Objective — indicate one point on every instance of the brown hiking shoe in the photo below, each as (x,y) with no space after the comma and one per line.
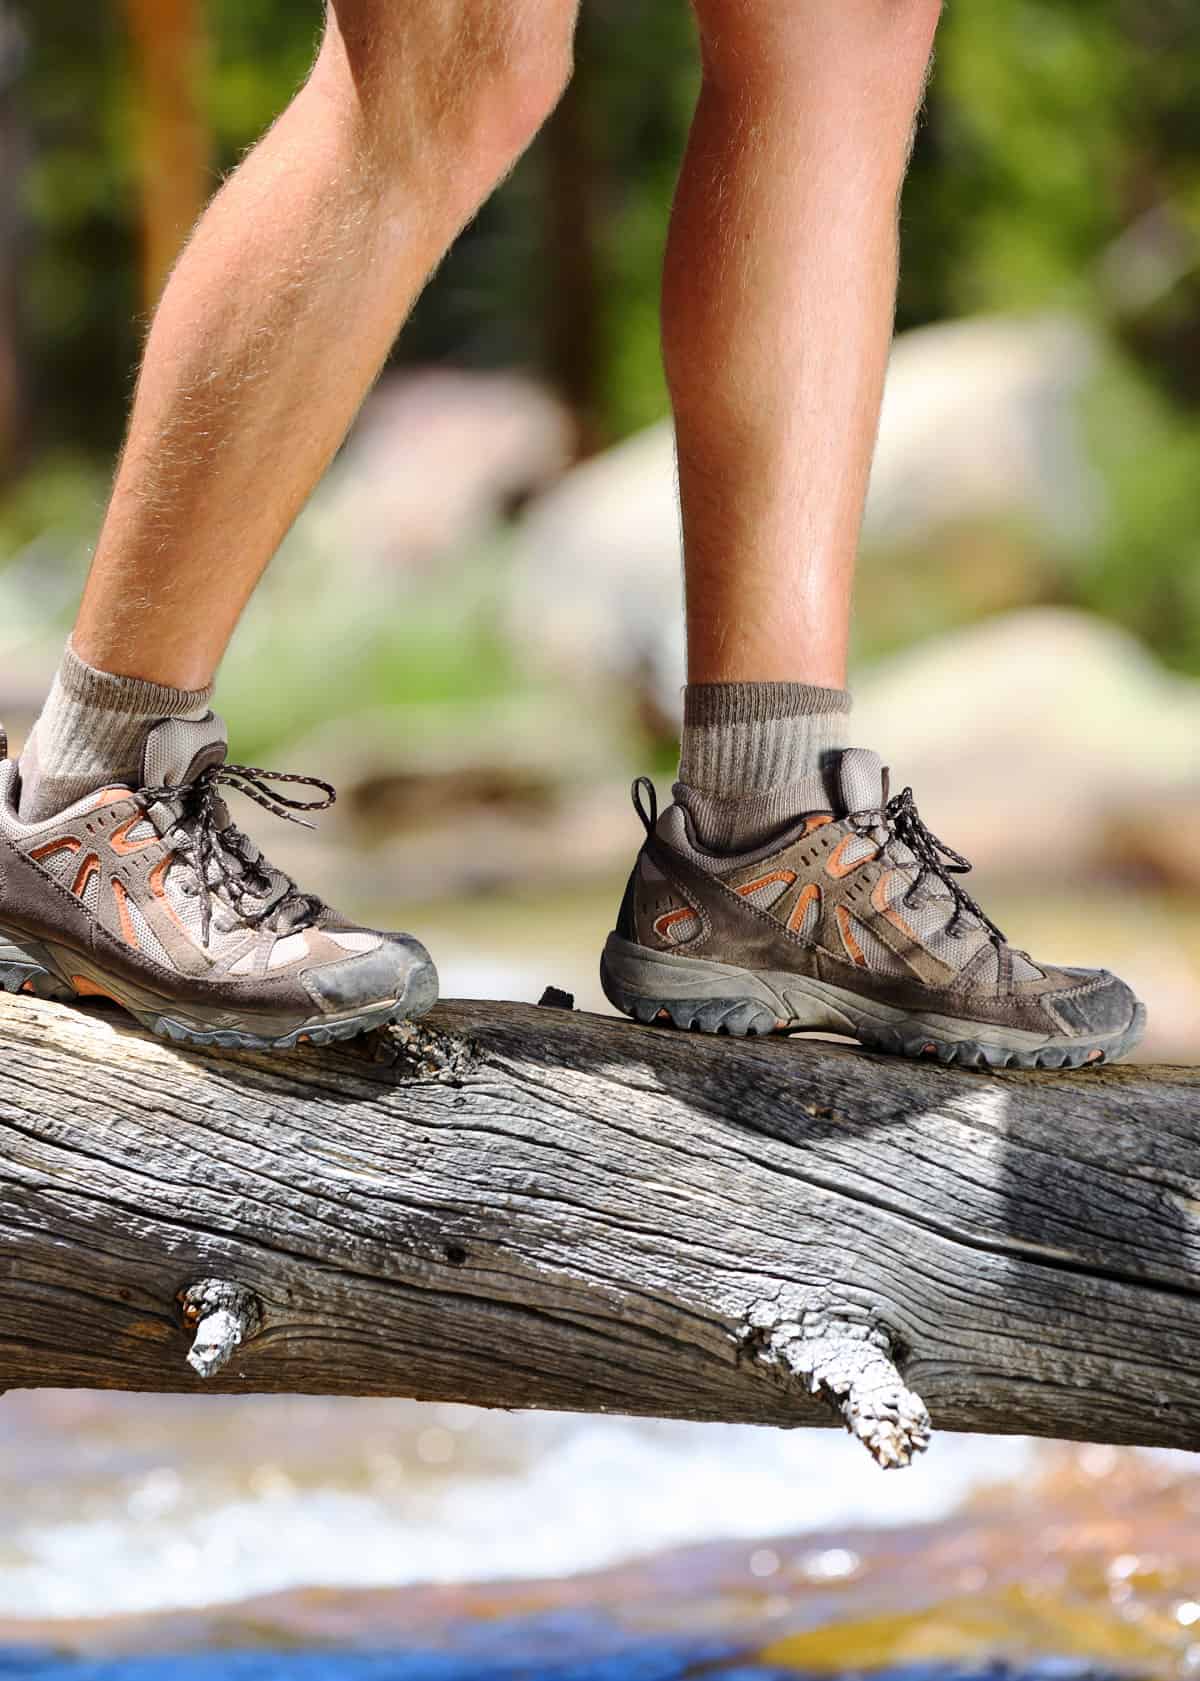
(154,898)
(851,922)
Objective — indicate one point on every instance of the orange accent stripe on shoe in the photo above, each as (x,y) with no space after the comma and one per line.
(838,868)
(68,843)
(818,822)
(671,918)
(787,877)
(119,839)
(879,898)
(88,989)
(854,950)
(809,896)
(158,877)
(129,933)
(89,868)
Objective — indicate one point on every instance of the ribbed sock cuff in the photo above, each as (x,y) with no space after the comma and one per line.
(105,692)
(92,731)
(754,756)
(712,705)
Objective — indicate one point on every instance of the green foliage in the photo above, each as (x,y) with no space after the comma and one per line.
(1058,164)
(1145,573)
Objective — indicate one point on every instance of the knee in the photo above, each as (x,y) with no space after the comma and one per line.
(748,40)
(473,78)
(514,96)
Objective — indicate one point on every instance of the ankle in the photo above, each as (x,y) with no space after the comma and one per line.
(755,756)
(91,732)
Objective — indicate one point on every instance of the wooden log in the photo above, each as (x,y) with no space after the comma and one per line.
(528,1207)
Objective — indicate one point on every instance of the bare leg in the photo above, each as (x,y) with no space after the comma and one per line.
(778,306)
(287,300)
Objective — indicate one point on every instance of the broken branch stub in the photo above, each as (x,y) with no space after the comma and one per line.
(850,1364)
(224,1316)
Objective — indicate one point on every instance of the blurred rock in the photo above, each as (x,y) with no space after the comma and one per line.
(598,592)
(979,425)
(979,432)
(1159,840)
(436,459)
(1032,739)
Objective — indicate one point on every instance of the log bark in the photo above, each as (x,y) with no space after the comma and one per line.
(528,1207)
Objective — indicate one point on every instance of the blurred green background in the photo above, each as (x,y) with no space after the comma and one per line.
(474,629)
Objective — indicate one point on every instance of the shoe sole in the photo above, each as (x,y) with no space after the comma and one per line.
(37,969)
(20,973)
(692,993)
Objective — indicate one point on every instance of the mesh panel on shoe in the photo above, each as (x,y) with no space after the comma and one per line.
(930,917)
(988,972)
(91,892)
(187,908)
(1024,970)
(291,948)
(854,851)
(148,940)
(61,865)
(881,960)
(143,831)
(676,929)
(767,891)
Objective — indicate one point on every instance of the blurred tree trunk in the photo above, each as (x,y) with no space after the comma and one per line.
(13,158)
(174,143)
(573,316)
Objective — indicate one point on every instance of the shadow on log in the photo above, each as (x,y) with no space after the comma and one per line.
(525,1207)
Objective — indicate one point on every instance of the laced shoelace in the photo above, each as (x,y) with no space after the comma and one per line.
(902,821)
(239,865)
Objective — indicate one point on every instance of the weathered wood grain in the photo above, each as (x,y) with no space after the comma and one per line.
(536,1208)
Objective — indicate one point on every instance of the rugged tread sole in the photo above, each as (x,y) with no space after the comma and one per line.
(232,1039)
(745,1017)
(22,974)
(31,978)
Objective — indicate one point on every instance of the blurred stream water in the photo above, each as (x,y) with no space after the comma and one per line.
(121,1503)
(312,1536)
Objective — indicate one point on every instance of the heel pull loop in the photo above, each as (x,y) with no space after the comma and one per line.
(649,817)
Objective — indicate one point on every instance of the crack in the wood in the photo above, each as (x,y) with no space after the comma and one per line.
(1011,1247)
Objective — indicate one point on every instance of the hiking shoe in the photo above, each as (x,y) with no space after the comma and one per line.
(854,921)
(152,897)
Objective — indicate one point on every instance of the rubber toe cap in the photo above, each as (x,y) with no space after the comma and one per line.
(1098,1006)
(399,968)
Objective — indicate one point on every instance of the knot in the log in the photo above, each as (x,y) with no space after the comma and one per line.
(223,1316)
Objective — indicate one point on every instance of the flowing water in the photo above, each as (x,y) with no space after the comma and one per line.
(146,1538)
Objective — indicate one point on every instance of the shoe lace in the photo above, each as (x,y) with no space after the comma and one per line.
(899,820)
(225,858)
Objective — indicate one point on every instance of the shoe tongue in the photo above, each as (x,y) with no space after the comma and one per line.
(860,776)
(178,749)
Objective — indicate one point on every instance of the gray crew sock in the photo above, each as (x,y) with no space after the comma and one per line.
(753,758)
(91,733)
